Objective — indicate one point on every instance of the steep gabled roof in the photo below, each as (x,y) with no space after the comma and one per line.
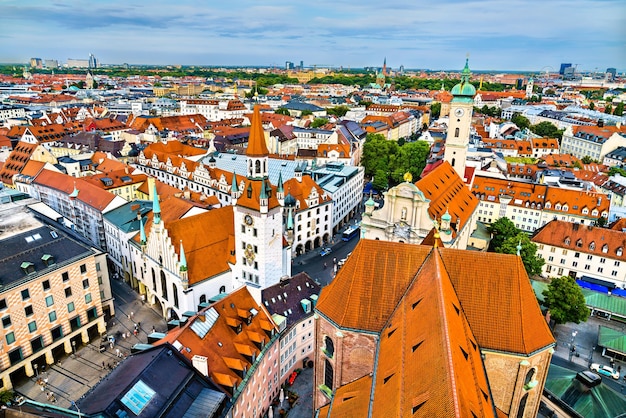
(89,194)
(206,242)
(19,156)
(256,141)
(250,195)
(447,192)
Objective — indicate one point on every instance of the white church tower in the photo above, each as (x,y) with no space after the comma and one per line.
(261,259)
(461,108)
(529,88)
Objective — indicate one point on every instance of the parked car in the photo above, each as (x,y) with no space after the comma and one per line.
(605,370)
(325,251)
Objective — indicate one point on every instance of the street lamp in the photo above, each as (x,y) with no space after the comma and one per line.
(36,366)
(74,347)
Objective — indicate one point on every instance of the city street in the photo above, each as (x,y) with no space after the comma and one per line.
(584,337)
(73,376)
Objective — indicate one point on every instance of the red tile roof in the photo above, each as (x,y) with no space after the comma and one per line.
(256,142)
(19,156)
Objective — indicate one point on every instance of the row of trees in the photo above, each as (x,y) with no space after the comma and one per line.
(387,161)
(544,128)
(563,297)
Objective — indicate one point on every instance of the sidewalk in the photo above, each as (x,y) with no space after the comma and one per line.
(74,375)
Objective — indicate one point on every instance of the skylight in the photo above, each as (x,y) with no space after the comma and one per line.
(138,397)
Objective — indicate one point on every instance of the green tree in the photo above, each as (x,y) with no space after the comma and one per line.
(435,110)
(411,158)
(306,112)
(339,111)
(601,222)
(619,109)
(586,159)
(617,170)
(528,252)
(522,122)
(546,129)
(380,182)
(550,92)
(592,106)
(319,122)
(500,231)
(608,109)
(6,396)
(565,300)
(282,111)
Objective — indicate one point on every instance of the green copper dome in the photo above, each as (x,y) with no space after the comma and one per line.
(464,91)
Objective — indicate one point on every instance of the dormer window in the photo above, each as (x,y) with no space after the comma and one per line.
(619,251)
(594,213)
(605,248)
(579,243)
(565,208)
(557,206)
(592,246)
(567,241)
(28,267)
(585,211)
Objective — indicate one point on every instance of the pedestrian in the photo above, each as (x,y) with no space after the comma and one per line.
(138,325)
(153,329)
(132,314)
(135,332)
(117,352)
(129,317)
(103,365)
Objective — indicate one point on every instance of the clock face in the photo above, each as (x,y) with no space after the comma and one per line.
(459,112)
(248,220)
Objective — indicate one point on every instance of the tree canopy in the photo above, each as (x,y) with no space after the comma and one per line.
(435,110)
(522,122)
(528,252)
(388,159)
(547,129)
(501,230)
(565,300)
(319,122)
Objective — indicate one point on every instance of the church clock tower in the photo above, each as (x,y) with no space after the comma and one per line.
(258,217)
(461,108)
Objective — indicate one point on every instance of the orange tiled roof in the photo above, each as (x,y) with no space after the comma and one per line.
(206,242)
(222,345)
(439,284)
(19,156)
(602,242)
(371,283)
(256,142)
(194,123)
(447,192)
(118,178)
(301,190)
(87,193)
(174,148)
(324,149)
(250,195)
(619,225)
(32,168)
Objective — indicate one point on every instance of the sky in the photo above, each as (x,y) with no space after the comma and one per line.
(524,35)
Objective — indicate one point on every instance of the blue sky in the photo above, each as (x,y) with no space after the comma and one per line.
(498,34)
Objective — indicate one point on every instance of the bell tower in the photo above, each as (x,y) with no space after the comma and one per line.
(461,107)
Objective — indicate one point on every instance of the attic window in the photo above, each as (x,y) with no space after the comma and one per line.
(579,243)
(386,379)
(416,346)
(456,309)
(619,251)
(415,304)
(28,267)
(567,241)
(592,246)
(465,354)
(47,259)
(605,248)
(417,407)
(390,333)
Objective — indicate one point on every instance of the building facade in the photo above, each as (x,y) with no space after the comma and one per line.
(52,302)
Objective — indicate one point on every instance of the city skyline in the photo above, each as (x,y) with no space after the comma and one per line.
(516,35)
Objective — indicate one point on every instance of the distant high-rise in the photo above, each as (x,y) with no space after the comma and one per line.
(301,65)
(564,67)
(52,64)
(289,65)
(611,73)
(93,62)
(36,63)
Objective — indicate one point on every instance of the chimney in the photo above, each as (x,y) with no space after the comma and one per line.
(200,363)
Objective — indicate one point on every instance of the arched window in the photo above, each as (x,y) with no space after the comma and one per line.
(153,281)
(257,167)
(619,251)
(223,289)
(329,347)
(175,293)
(202,298)
(163,285)
(592,246)
(328,374)
(456,132)
(529,376)
(522,406)
(453,162)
